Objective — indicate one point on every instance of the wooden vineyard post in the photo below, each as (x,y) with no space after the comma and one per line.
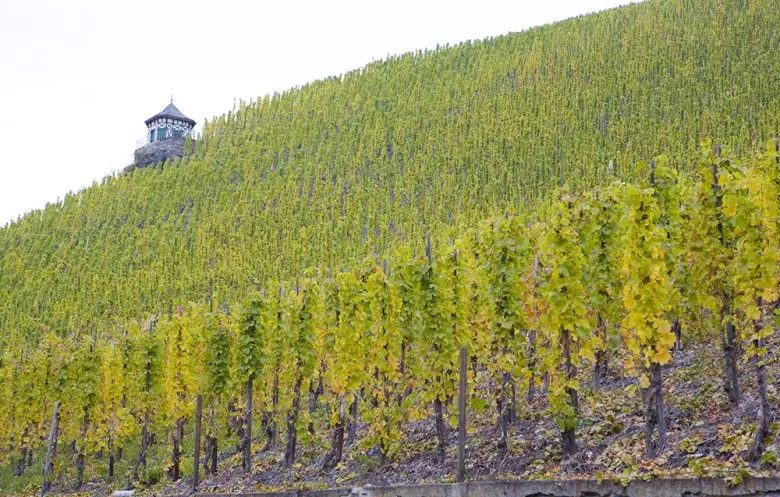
(47,468)
(247,449)
(196,458)
(462,418)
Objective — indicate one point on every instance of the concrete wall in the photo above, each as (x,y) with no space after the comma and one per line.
(155,152)
(769,487)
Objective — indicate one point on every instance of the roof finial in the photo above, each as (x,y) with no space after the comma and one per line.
(171,97)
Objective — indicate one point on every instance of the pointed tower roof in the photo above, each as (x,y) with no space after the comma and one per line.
(170,111)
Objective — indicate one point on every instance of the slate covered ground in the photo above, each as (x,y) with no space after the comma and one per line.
(706,438)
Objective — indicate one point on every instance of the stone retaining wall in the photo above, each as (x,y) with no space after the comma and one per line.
(765,487)
(153,153)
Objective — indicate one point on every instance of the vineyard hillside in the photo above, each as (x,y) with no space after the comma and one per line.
(550,254)
(338,169)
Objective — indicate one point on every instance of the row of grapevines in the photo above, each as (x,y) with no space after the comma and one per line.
(541,307)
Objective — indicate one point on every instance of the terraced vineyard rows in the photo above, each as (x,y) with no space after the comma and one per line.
(321,255)
(666,259)
(354,165)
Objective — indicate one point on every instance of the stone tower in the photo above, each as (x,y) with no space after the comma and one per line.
(165,139)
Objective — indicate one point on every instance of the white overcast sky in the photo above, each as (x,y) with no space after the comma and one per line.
(79,77)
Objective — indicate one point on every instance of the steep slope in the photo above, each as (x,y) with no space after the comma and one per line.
(327,173)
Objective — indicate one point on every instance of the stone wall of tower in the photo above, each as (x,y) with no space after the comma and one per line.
(156,152)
